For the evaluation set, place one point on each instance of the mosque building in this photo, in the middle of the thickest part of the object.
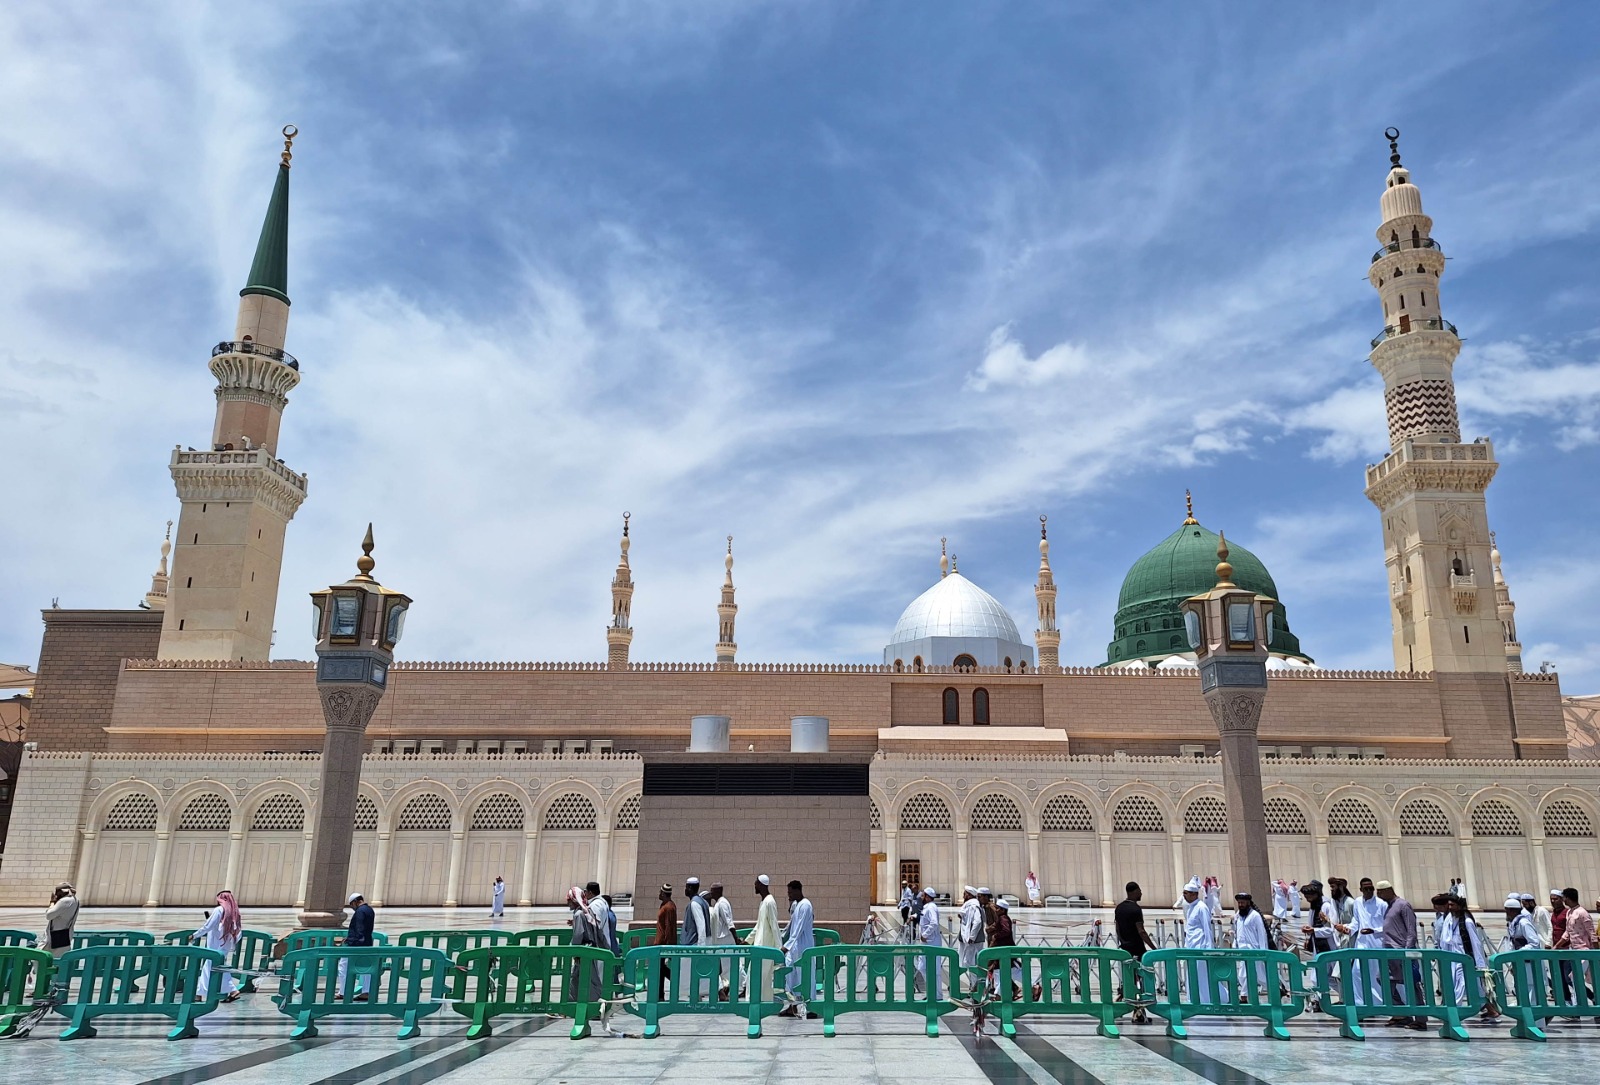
(173, 755)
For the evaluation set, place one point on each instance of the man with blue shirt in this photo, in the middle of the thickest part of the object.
(799, 937)
(359, 934)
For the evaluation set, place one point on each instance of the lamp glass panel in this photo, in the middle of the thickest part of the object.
(346, 615)
(397, 624)
(1191, 626)
(1272, 624)
(316, 621)
(1241, 622)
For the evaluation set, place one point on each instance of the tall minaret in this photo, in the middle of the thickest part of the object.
(1505, 610)
(1430, 488)
(1047, 638)
(156, 597)
(237, 496)
(619, 634)
(726, 611)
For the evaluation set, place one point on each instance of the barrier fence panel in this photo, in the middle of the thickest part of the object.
(638, 936)
(322, 938)
(824, 936)
(567, 981)
(407, 982)
(101, 983)
(1536, 985)
(454, 943)
(1412, 983)
(252, 954)
(16, 964)
(543, 936)
(19, 938)
(1178, 984)
(686, 979)
(844, 979)
(1090, 982)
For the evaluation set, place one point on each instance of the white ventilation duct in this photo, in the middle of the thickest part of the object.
(709, 734)
(808, 734)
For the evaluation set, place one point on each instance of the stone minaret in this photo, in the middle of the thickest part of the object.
(619, 635)
(237, 496)
(156, 597)
(1430, 488)
(726, 611)
(1047, 638)
(1506, 611)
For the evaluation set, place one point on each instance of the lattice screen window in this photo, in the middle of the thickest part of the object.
(498, 812)
(1352, 817)
(205, 813)
(281, 813)
(1138, 814)
(570, 811)
(1067, 814)
(877, 817)
(1420, 817)
(1283, 816)
(1207, 814)
(366, 814)
(1563, 818)
(1495, 818)
(996, 812)
(135, 813)
(924, 811)
(628, 816)
(425, 813)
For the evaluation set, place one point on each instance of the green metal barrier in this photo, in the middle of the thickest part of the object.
(842, 979)
(543, 936)
(685, 979)
(95, 939)
(825, 936)
(16, 964)
(252, 954)
(1538, 984)
(323, 938)
(638, 936)
(454, 943)
(1182, 983)
(407, 982)
(19, 938)
(100, 984)
(1089, 982)
(567, 981)
(1426, 987)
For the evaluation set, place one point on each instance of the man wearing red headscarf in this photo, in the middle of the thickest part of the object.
(220, 932)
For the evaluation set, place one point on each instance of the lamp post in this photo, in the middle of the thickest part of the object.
(358, 623)
(1230, 629)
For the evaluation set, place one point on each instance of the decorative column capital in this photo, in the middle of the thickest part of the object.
(1236, 711)
(348, 707)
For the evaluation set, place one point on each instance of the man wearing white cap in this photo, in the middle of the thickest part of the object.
(970, 938)
(359, 934)
(696, 915)
(929, 934)
(765, 933)
(1520, 931)
(1196, 927)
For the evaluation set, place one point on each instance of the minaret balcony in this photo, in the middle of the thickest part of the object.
(247, 347)
(1400, 246)
(1437, 325)
(1464, 591)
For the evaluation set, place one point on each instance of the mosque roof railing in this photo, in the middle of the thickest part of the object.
(1431, 325)
(1101, 673)
(246, 346)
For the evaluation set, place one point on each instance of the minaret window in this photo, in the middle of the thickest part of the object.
(1456, 567)
(1008, 664)
(916, 664)
(965, 662)
(952, 706)
(1424, 298)
(1416, 237)
(980, 706)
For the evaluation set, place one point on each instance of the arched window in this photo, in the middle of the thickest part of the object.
(965, 662)
(1067, 814)
(366, 814)
(1352, 817)
(570, 811)
(1008, 664)
(205, 813)
(280, 813)
(425, 813)
(980, 706)
(1495, 818)
(916, 663)
(1416, 237)
(952, 706)
(1207, 814)
(498, 812)
(996, 812)
(628, 815)
(876, 817)
(131, 814)
(1419, 817)
(1563, 818)
(899, 665)
(1283, 816)
(1138, 814)
(924, 811)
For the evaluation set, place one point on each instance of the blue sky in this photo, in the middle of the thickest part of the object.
(837, 279)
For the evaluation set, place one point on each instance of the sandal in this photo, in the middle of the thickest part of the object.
(232, 996)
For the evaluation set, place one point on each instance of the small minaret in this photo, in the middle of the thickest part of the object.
(619, 635)
(1430, 488)
(726, 611)
(237, 496)
(1047, 638)
(1506, 610)
(156, 597)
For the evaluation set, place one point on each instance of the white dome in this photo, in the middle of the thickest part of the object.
(1174, 662)
(955, 607)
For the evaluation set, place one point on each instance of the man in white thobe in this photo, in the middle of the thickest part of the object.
(1366, 932)
(1249, 932)
(970, 937)
(499, 907)
(764, 933)
(1032, 885)
(799, 937)
(1196, 931)
(1541, 920)
(929, 934)
(721, 929)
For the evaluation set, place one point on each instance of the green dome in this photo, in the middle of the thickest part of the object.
(1149, 622)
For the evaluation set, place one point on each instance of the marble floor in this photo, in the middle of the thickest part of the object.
(247, 1043)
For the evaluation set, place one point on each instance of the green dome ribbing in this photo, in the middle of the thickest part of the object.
(269, 271)
(1149, 621)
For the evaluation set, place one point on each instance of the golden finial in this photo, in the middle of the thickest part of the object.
(365, 563)
(289, 132)
(1188, 502)
(1224, 570)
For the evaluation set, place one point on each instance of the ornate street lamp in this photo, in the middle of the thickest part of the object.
(1230, 629)
(358, 623)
